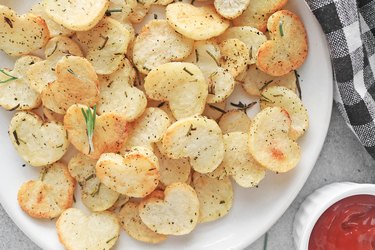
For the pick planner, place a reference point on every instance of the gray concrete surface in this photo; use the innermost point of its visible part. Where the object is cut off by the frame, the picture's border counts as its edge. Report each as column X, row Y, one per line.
column 342, row 159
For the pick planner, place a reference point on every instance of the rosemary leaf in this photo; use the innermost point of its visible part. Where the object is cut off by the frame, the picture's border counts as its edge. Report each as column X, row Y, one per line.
column 213, row 57
column 265, row 85
column 242, row 106
column 11, row 78
column 187, row 71
column 265, row 241
column 106, row 38
column 90, row 118
column 217, row 108
column 298, row 84
column 110, row 11
column 281, row 28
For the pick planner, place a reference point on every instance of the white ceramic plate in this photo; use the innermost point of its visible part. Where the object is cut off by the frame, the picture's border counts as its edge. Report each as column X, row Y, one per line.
column 254, row 210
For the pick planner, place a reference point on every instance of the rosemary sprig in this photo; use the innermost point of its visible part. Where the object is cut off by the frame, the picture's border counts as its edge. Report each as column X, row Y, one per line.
column 265, row 241
column 217, row 108
column 191, row 128
column 265, row 85
column 11, row 78
column 242, row 106
column 110, row 11
column 105, row 38
column 213, row 57
column 111, row 239
column 90, row 117
column 264, row 98
column 187, row 71
column 281, row 28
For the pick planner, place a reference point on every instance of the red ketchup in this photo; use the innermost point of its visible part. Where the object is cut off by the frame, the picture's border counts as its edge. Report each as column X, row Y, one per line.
column 349, row 224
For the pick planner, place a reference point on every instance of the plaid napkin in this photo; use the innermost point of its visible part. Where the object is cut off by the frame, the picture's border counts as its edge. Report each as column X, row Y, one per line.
column 349, row 26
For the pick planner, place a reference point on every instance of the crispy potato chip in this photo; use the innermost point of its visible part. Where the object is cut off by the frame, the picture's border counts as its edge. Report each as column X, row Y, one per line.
column 54, row 28
column 215, row 197
column 79, row 231
column 285, row 98
column 15, row 90
column 76, row 15
column 231, row 8
column 172, row 170
column 238, row 161
column 76, row 82
column 119, row 204
column 138, row 13
column 120, row 9
column 198, row 23
column 117, row 93
column 269, row 142
column 163, row 106
column 42, row 73
column 252, row 37
column 95, row 196
column 176, row 214
column 235, row 56
column 220, row 85
column 288, row 47
column 181, row 84
column 214, row 111
column 21, row 35
column 235, row 121
column 36, row 142
column 106, row 45
column 258, row 12
column 133, row 225
column 157, row 44
column 256, row 81
column 110, row 133
column 135, row 174
column 49, row 196
column 147, row 129
column 198, row 138
column 129, row 26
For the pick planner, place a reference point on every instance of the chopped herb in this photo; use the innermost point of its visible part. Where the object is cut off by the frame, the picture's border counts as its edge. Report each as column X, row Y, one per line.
column 211, row 89
column 15, row 107
column 96, row 191
column 54, row 49
column 110, row 11
column 104, row 43
column 242, row 106
column 11, row 78
column 90, row 117
column 74, row 199
column 265, row 85
column 298, row 84
column 264, row 98
column 213, row 74
column 9, row 22
column 60, row 146
column 111, row 239
column 265, row 241
column 187, row 71
column 155, row 16
column 43, row 173
column 16, row 137
column 281, row 28
column 217, row 109
column 196, row 56
column 191, row 128
column 222, row 202
column 251, row 52
column 23, row 165
column 161, row 104
column 90, row 177
column 72, row 72
column 213, row 57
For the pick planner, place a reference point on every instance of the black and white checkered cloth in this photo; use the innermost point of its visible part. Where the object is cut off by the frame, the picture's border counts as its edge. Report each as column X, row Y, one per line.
column 349, row 26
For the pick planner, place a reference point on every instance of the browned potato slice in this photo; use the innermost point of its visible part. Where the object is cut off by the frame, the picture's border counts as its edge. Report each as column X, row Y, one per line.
column 79, row 231
column 288, row 47
column 117, row 93
column 135, row 174
column 36, row 142
column 256, row 81
column 215, row 110
column 48, row 197
column 198, row 23
column 176, row 214
column 198, row 138
column 231, row 8
column 235, row 121
column 235, row 56
column 106, row 45
column 157, row 44
column 133, row 225
column 138, row 13
column 238, row 161
column 172, row 81
column 15, row 90
column 215, row 197
column 269, row 142
column 21, row 35
column 121, row 9
column 258, row 12
column 110, row 132
column 76, row 82
column 285, row 98
column 76, row 15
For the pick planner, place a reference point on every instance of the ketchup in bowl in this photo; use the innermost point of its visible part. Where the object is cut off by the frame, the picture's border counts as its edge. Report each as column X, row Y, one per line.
column 349, row 224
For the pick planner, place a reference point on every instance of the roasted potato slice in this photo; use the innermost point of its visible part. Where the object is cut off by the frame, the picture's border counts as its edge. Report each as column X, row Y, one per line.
column 215, row 111
column 106, row 45
column 269, row 141
column 181, row 84
column 198, row 23
column 120, row 9
column 235, row 56
column 138, row 13
column 258, row 12
column 235, row 121
column 133, row 225
column 288, row 47
column 176, row 214
column 198, row 138
column 49, row 115
column 76, row 15
column 49, row 196
column 117, row 93
column 157, row 44
column 215, row 196
column 21, row 35
column 79, row 231
column 239, row 163
column 15, row 90
column 285, row 98
column 231, row 8
column 36, row 142
column 110, row 132
column 40, row 74
column 135, row 174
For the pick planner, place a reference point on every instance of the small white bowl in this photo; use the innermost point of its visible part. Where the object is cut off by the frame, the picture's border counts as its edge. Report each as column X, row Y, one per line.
column 318, row 202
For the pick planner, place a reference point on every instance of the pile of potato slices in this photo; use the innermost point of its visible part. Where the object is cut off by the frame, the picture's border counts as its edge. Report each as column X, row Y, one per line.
column 144, row 115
